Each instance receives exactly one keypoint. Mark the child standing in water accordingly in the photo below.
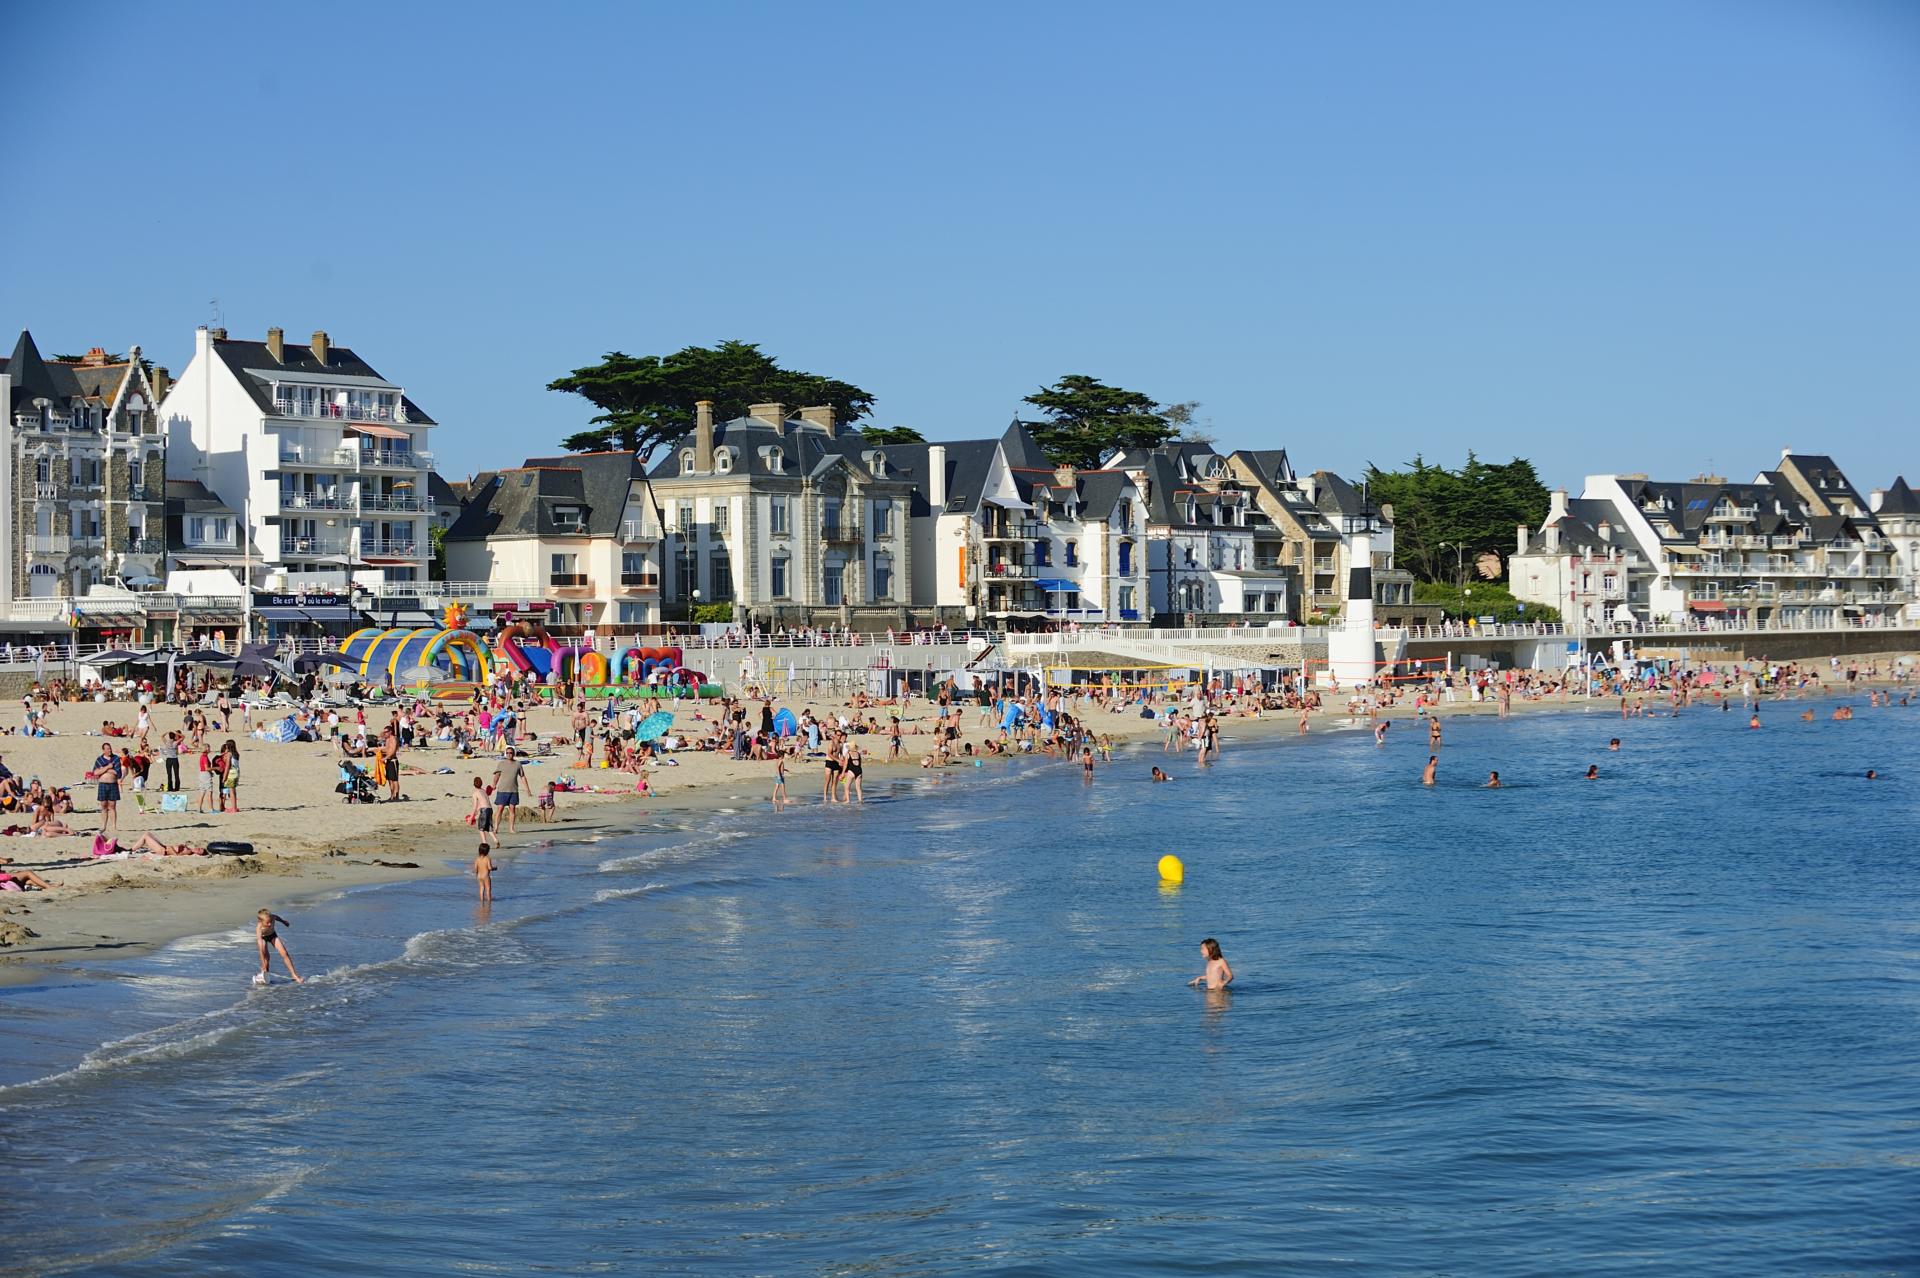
(1218, 975)
(264, 936)
(483, 872)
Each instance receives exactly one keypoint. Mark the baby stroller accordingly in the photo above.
(355, 784)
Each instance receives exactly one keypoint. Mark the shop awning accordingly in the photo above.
(1056, 585)
(378, 432)
(1707, 605)
(394, 618)
(319, 615)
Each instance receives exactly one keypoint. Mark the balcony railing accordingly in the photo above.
(402, 502)
(389, 548)
(844, 528)
(395, 459)
(312, 546)
(45, 490)
(634, 530)
(1008, 570)
(142, 545)
(315, 501)
(50, 543)
(567, 580)
(639, 581)
(316, 455)
(338, 412)
(1015, 530)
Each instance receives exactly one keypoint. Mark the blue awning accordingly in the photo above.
(1055, 585)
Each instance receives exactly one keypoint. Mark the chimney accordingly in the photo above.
(1552, 533)
(161, 380)
(277, 344)
(1557, 505)
(96, 357)
(703, 436)
(217, 334)
(1606, 531)
(1520, 539)
(320, 346)
(1876, 499)
(937, 477)
(1386, 513)
(774, 415)
(1063, 476)
(822, 416)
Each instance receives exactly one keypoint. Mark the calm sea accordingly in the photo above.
(1666, 1022)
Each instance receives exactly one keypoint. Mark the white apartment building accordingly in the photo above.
(574, 534)
(1798, 545)
(1577, 563)
(1001, 534)
(1897, 508)
(323, 457)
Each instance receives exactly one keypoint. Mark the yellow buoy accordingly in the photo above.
(1170, 868)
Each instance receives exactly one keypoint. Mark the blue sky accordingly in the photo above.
(1634, 236)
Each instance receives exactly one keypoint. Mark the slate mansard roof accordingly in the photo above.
(524, 502)
(254, 367)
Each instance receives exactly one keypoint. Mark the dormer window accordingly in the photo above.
(723, 461)
(686, 462)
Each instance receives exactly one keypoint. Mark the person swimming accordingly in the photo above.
(1427, 773)
(1218, 975)
(1614, 744)
(1755, 721)
(1493, 781)
(1593, 772)
(1158, 775)
(1872, 775)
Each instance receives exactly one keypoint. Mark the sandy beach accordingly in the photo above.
(309, 842)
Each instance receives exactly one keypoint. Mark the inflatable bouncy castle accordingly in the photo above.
(525, 645)
(442, 662)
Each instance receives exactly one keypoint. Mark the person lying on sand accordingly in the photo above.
(154, 847)
(12, 880)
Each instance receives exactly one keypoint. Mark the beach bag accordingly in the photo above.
(173, 803)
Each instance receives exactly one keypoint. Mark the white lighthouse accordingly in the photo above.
(1352, 646)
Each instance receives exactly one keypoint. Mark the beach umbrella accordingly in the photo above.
(654, 726)
(317, 660)
(252, 661)
(117, 657)
(341, 678)
(211, 657)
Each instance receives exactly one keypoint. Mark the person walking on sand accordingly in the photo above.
(779, 780)
(506, 790)
(483, 872)
(264, 936)
(1218, 975)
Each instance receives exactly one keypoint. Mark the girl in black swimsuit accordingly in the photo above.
(851, 780)
(265, 936)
